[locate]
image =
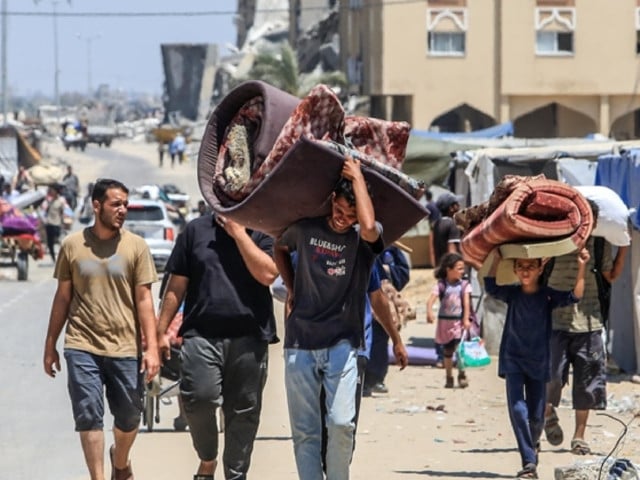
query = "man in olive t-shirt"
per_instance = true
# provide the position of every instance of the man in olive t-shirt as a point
(104, 297)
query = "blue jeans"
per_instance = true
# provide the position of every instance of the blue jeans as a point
(526, 400)
(306, 372)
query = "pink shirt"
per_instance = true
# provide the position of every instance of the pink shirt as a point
(449, 326)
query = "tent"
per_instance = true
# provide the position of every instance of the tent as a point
(608, 163)
(621, 172)
(497, 131)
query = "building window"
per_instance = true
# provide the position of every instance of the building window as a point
(446, 31)
(554, 42)
(554, 31)
(446, 43)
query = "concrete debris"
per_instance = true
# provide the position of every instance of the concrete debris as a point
(613, 469)
(323, 35)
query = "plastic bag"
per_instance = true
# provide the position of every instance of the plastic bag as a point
(471, 353)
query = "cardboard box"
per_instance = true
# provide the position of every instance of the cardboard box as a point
(419, 245)
(554, 248)
(417, 239)
(505, 274)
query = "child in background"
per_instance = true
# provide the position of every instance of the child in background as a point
(453, 316)
(524, 357)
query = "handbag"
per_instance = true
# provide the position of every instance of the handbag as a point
(471, 352)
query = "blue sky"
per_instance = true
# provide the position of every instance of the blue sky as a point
(125, 51)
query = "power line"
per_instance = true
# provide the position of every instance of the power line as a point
(207, 13)
(125, 14)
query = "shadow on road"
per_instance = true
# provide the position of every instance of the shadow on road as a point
(442, 474)
(268, 439)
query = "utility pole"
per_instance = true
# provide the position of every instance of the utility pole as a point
(5, 101)
(56, 78)
(56, 73)
(89, 39)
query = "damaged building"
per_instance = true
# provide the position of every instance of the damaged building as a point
(197, 77)
(189, 72)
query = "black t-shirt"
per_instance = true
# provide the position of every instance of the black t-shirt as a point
(331, 278)
(223, 299)
(444, 232)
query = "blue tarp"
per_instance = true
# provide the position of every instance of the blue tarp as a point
(621, 173)
(497, 131)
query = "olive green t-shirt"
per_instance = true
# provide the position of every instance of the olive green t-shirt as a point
(583, 316)
(102, 316)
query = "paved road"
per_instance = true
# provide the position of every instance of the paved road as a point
(36, 430)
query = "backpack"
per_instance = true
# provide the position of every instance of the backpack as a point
(473, 318)
(604, 287)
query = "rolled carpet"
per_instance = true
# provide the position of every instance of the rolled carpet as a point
(534, 211)
(268, 159)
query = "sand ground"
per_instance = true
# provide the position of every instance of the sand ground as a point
(402, 434)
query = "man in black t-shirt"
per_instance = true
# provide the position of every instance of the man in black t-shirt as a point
(445, 236)
(223, 273)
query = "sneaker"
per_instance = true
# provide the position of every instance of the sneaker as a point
(367, 392)
(379, 388)
(449, 383)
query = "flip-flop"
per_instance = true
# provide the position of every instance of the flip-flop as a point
(580, 447)
(529, 471)
(552, 429)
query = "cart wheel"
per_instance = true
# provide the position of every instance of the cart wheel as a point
(149, 404)
(157, 417)
(22, 262)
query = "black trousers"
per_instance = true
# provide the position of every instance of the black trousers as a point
(53, 236)
(378, 364)
(233, 369)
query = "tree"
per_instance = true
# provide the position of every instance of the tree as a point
(281, 70)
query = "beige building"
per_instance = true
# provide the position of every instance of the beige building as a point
(552, 67)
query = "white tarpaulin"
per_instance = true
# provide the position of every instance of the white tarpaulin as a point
(8, 157)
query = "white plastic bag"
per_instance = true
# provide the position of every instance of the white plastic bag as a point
(613, 216)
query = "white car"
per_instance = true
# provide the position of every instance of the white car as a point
(150, 220)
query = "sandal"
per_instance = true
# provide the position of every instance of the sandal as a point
(529, 471)
(580, 447)
(463, 382)
(449, 383)
(119, 473)
(552, 429)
